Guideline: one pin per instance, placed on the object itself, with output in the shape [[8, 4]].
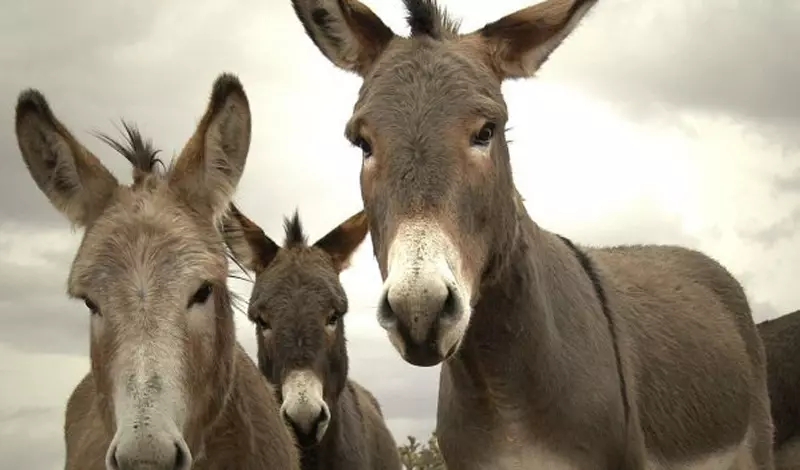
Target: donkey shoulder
[[377, 437], [364, 397]]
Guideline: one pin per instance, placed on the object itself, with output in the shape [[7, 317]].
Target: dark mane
[[427, 18], [135, 148], [294, 231]]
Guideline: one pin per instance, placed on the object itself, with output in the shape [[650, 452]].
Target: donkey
[[553, 355], [298, 305], [781, 337], [169, 387]]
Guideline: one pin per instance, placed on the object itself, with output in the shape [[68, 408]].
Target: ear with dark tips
[[347, 32], [518, 44], [211, 163], [225, 85], [73, 179], [250, 245], [341, 242]]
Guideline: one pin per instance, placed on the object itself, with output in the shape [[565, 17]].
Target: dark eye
[[261, 323], [484, 136], [334, 318], [366, 148], [92, 307], [202, 294]]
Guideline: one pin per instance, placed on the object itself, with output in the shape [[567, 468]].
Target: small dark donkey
[[298, 304], [781, 337]]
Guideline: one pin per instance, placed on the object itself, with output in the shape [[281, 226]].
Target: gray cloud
[[30, 438], [729, 56]]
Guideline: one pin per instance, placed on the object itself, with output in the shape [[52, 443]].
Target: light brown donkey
[[298, 306], [781, 337], [169, 387], [554, 356]]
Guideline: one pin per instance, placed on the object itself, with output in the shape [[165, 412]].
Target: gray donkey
[[554, 356], [169, 387], [297, 305], [781, 337]]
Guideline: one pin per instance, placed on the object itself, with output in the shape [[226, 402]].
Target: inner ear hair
[[250, 246]]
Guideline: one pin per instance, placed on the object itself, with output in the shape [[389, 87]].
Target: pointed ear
[[209, 167], [341, 242], [518, 44], [73, 179], [250, 245], [347, 32]]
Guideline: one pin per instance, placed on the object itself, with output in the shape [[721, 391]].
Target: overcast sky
[[660, 122]]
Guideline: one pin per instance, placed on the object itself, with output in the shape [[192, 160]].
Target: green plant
[[418, 456]]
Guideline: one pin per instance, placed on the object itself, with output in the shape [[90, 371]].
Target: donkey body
[[781, 337], [297, 305], [553, 356], [169, 387]]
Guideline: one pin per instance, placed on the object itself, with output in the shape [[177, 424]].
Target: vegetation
[[419, 456]]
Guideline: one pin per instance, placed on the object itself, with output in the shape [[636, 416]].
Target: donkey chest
[[526, 456], [512, 448]]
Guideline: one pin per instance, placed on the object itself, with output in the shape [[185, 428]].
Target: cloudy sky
[[662, 122]]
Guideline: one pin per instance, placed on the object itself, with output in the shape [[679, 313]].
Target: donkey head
[[435, 180], [297, 305], [152, 271]]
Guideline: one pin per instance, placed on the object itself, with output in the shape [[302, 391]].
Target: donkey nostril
[[182, 460], [386, 314], [324, 415], [111, 460], [450, 306]]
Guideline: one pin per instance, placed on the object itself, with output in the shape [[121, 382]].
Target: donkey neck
[[242, 425], [516, 356]]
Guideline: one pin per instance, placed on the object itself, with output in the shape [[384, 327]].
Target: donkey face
[[152, 271], [435, 179], [297, 305]]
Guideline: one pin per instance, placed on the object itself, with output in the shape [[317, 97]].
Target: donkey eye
[[484, 136], [202, 294], [366, 148], [93, 309], [261, 323], [334, 318]]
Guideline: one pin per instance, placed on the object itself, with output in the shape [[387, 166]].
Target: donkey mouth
[[424, 354], [452, 351]]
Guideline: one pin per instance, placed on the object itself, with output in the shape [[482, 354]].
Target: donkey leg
[[787, 457], [751, 455], [763, 430]]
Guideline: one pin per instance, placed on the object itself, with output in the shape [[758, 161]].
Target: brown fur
[[554, 356], [781, 337], [297, 305], [169, 387]]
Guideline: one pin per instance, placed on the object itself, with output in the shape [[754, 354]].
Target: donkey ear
[[518, 44], [347, 32], [73, 179], [250, 245], [341, 242], [211, 163]]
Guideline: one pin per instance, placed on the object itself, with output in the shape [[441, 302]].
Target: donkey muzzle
[[304, 407]]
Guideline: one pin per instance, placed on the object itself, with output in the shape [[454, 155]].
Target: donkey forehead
[[421, 75], [150, 237], [296, 285]]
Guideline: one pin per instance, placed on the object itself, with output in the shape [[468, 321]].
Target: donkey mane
[[135, 148], [427, 18], [293, 229]]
